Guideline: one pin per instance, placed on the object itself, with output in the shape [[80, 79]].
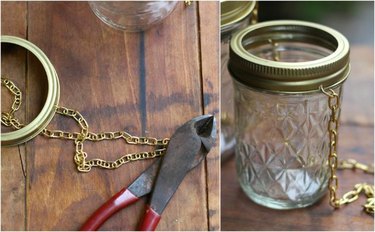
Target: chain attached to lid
[[8, 119], [333, 182]]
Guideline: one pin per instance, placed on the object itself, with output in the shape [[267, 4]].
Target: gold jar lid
[[32, 129], [283, 75], [234, 11]]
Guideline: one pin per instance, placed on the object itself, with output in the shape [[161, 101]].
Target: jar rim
[[232, 12], [32, 129], [294, 77]]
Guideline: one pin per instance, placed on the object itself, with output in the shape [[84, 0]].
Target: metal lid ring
[[32, 129], [234, 11], [289, 77]]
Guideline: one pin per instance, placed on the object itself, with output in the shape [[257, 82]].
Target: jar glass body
[[132, 16], [283, 72], [282, 146]]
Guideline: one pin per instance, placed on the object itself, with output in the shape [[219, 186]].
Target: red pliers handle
[[187, 148], [119, 201]]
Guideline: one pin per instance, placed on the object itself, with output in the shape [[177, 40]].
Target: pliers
[[188, 146]]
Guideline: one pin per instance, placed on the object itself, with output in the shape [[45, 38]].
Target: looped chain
[[8, 119], [80, 157], [368, 190], [254, 14], [187, 2], [353, 164]]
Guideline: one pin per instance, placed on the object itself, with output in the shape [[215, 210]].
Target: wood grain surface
[[356, 140], [210, 68], [13, 178], [144, 83]]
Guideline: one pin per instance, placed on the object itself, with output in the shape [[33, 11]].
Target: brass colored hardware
[[225, 119], [26, 132], [254, 14], [353, 164], [8, 118], [232, 12], [367, 189], [275, 52], [80, 157], [276, 75]]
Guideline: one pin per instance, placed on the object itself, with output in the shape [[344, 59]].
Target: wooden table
[[147, 84], [356, 140]]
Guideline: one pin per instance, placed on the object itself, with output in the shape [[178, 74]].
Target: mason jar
[[284, 73], [132, 16], [234, 16]]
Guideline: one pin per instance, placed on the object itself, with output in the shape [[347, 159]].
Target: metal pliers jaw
[[188, 146]]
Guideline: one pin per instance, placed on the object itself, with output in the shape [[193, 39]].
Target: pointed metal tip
[[205, 117], [206, 129]]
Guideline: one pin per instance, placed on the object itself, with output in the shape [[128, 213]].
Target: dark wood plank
[[173, 88], [209, 45], [13, 19], [13, 66], [240, 213], [358, 102], [88, 86], [100, 71]]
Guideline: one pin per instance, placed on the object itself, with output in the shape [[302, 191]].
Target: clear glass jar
[[132, 16], [235, 15], [281, 113]]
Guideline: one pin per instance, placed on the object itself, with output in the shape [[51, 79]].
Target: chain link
[[8, 119], [187, 2], [353, 164], [80, 157], [84, 165], [254, 14], [368, 190]]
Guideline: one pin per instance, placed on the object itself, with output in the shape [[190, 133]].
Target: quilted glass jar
[[280, 70], [235, 15], [132, 16]]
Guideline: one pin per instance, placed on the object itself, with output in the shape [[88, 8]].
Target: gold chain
[[187, 2], [84, 165], [367, 189], [353, 164], [254, 14], [8, 118]]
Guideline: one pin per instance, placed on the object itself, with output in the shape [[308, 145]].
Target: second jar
[[235, 15], [132, 16]]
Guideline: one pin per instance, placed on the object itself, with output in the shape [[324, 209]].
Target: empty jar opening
[[289, 44], [289, 56], [285, 51]]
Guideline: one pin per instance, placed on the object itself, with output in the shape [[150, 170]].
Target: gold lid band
[[32, 129], [329, 67], [233, 12]]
